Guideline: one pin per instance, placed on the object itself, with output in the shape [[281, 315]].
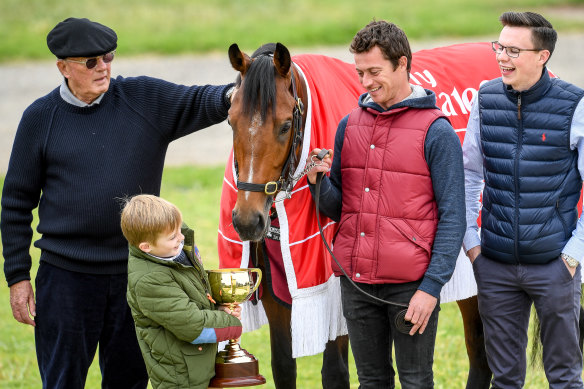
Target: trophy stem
[[233, 353]]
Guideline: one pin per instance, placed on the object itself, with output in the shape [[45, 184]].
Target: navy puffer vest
[[532, 183]]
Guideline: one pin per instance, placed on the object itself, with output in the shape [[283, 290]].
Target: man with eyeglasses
[[525, 139], [78, 152]]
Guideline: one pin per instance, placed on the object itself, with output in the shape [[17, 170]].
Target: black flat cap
[[75, 37]]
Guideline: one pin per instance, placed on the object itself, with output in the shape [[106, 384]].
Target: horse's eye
[[284, 128]]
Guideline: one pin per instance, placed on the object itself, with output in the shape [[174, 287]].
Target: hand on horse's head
[[323, 165], [233, 93]]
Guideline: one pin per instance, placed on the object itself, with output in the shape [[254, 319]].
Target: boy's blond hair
[[145, 217]]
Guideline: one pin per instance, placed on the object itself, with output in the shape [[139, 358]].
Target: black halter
[[286, 180]]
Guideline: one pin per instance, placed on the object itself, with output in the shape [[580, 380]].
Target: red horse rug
[[307, 283]]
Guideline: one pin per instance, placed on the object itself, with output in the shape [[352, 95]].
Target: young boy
[[177, 323]]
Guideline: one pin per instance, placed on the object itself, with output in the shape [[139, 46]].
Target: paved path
[[22, 83]]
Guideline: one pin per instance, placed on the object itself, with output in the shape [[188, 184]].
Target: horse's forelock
[[265, 49], [259, 88]]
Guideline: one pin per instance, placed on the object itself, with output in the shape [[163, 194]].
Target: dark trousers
[[505, 295], [372, 333], [75, 313]]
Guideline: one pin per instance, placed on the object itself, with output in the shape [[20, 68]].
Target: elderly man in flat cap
[[78, 150]]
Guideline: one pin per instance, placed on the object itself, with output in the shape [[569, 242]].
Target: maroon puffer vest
[[389, 215]]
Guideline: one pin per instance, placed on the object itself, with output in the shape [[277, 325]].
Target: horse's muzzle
[[249, 226]]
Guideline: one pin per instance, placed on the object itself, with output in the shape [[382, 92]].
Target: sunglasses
[[90, 63]]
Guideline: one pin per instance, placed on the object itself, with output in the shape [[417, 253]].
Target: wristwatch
[[572, 262]]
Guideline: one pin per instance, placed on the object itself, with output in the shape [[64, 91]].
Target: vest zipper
[[519, 107], [516, 176]]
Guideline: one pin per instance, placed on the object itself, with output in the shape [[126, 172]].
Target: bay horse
[[269, 116], [268, 108]]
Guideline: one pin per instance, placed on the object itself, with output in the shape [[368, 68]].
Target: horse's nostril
[[260, 224], [250, 226]]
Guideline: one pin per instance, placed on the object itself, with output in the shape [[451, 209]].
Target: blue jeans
[[75, 312], [506, 293], [372, 334]]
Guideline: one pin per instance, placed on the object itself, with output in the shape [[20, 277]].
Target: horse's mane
[[260, 82]]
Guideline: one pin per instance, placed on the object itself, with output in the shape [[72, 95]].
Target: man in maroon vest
[[396, 187]]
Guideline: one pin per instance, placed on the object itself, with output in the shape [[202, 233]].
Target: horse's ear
[[239, 60], [282, 60]]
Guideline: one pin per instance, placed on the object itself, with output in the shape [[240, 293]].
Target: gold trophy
[[234, 366]]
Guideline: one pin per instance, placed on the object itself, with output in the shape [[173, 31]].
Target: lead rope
[[313, 162], [401, 324]]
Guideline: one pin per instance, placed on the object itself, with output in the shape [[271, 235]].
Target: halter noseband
[[286, 181]]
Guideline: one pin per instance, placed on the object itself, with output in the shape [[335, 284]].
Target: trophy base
[[234, 371]]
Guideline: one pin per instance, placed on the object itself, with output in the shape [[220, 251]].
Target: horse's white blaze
[[255, 125]]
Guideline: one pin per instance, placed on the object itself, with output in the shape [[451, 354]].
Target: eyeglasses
[[90, 63], [512, 52]]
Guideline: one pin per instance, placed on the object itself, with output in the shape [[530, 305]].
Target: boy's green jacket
[[170, 310]]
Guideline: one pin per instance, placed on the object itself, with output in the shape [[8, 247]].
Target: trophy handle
[[258, 281]]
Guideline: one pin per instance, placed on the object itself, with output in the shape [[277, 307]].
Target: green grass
[[196, 191], [194, 26]]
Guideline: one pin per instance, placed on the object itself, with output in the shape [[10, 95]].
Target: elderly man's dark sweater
[[78, 164]]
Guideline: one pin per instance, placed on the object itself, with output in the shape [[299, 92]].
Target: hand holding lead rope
[[319, 161]]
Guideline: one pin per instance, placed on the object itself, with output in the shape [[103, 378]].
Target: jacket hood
[[419, 98]]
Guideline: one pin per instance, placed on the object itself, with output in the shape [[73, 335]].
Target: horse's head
[[267, 122]]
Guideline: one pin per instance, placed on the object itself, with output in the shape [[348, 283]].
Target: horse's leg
[[283, 365], [279, 319], [479, 374], [335, 364]]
